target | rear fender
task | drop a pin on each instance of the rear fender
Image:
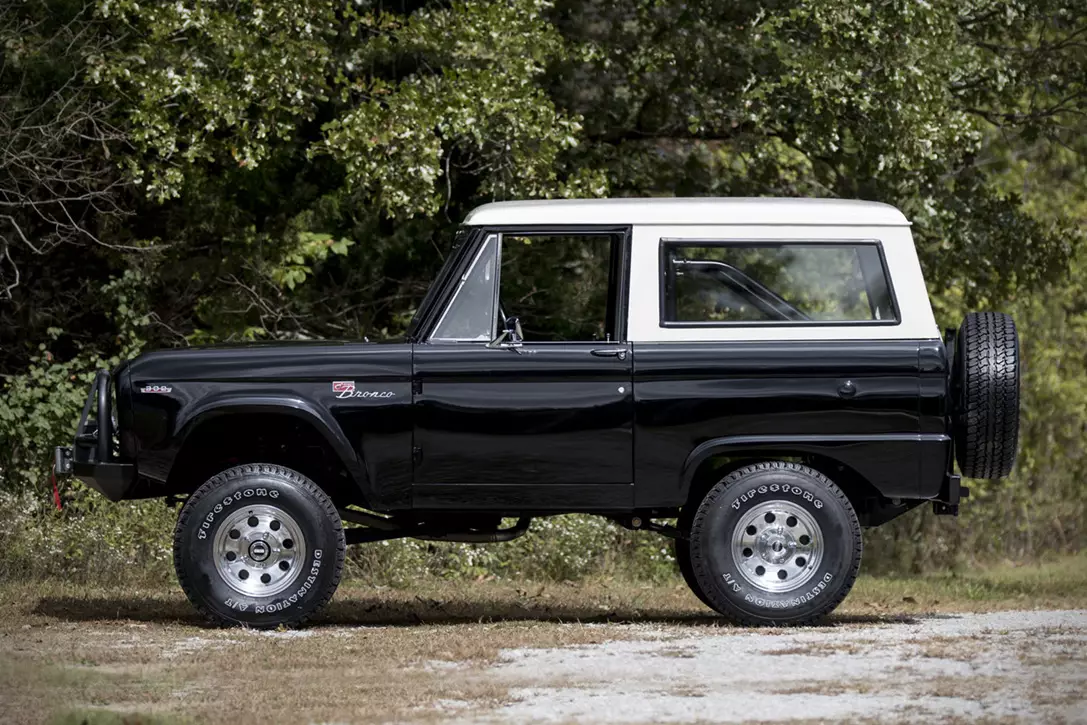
(897, 465)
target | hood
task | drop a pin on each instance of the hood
(271, 362)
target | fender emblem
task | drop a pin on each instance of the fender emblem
(156, 389)
(346, 389)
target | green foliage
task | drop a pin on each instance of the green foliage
(824, 98)
(294, 168)
(313, 248)
(484, 109)
(1043, 506)
(558, 548)
(270, 119)
(90, 540)
(241, 76)
(40, 407)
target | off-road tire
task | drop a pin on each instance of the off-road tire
(681, 549)
(985, 395)
(258, 488)
(716, 561)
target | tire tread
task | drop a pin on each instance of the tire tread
(987, 409)
(294, 478)
(681, 549)
(698, 566)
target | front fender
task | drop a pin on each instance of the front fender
(321, 419)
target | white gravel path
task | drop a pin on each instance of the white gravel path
(1008, 666)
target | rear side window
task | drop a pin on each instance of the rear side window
(710, 283)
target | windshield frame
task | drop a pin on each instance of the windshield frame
(442, 287)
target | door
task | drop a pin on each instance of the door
(544, 409)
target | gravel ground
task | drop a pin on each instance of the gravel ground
(1003, 667)
(491, 653)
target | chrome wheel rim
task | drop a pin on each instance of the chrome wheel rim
(777, 546)
(258, 550)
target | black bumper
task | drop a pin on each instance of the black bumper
(91, 457)
(112, 480)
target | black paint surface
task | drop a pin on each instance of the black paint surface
(560, 426)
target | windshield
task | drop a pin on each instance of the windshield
(441, 280)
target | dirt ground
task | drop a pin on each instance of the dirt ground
(1006, 647)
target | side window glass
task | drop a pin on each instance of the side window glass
(471, 315)
(774, 283)
(560, 287)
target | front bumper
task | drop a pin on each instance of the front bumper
(112, 480)
(91, 457)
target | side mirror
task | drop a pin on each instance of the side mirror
(513, 326)
(511, 337)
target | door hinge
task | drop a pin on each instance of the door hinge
(416, 387)
(416, 455)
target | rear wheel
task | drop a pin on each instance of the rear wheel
(681, 549)
(259, 545)
(775, 543)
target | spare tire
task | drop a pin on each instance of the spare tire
(985, 394)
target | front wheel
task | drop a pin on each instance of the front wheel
(259, 545)
(775, 543)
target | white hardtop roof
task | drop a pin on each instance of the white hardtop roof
(702, 211)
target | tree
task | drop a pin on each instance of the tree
(287, 128)
(892, 102)
(57, 185)
(294, 168)
(63, 201)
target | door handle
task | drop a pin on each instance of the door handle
(618, 352)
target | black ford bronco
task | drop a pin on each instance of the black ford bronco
(767, 373)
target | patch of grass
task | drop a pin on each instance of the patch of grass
(107, 717)
(818, 649)
(1059, 583)
(958, 648)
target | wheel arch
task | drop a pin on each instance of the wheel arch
(711, 461)
(228, 428)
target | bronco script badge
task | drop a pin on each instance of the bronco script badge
(346, 389)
